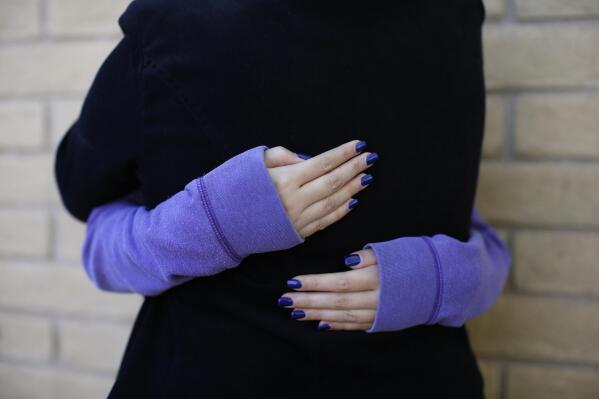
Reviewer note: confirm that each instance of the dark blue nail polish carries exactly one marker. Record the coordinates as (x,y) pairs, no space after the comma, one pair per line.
(284,301)
(302,155)
(360,145)
(297,314)
(323,327)
(371,158)
(352,260)
(293,283)
(352,203)
(367,179)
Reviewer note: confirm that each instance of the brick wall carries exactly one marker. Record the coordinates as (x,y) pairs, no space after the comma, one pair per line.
(62,338)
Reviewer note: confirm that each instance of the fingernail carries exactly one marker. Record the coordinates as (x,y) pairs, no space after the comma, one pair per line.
(367,179)
(293,283)
(360,145)
(302,155)
(352,260)
(323,326)
(371,158)
(284,301)
(352,203)
(297,314)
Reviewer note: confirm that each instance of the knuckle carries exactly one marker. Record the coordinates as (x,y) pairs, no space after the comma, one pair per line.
(283,181)
(343,283)
(357,165)
(329,204)
(310,282)
(349,315)
(332,181)
(340,301)
(320,225)
(326,163)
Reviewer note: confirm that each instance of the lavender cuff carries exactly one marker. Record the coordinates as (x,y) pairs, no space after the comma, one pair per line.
(245,207)
(438,279)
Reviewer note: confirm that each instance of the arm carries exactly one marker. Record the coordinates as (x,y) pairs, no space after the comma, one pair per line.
(95,160)
(210,226)
(438,279)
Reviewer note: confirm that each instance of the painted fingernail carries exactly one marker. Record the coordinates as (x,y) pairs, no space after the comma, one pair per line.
(297,314)
(323,327)
(293,283)
(352,260)
(371,158)
(284,301)
(367,179)
(360,145)
(302,155)
(352,203)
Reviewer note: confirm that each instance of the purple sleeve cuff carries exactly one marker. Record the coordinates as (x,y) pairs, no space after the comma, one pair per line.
(248,202)
(210,226)
(430,280)
(408,283)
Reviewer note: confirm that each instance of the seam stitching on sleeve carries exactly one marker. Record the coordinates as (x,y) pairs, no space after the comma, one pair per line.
(214,222)
(440,287)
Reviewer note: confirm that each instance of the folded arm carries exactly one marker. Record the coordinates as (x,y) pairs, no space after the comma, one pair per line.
(210,226)
(438,279)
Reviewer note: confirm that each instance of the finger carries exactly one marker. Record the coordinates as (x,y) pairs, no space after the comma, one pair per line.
(330,300)
(323,163)
(354,280)
(280,156)
(328,184)
(360,259)
(329,219)
(324,207)
(347,315)
(335,325)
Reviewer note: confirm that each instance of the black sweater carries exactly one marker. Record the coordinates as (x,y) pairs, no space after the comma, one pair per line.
(193,83)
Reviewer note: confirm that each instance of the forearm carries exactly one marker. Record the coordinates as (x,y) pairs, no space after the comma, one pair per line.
(210,226)
(438,279)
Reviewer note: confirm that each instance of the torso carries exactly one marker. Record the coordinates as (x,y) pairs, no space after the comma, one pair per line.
(230,75)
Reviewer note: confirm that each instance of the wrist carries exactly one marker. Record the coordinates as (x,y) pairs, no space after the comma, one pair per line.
(245,208)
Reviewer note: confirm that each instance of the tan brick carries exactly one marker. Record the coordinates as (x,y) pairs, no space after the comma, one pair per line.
(541,55)
(492,378)
(539,382)
(51,68)
(19,382)
(21,124)
(558,125)
(24,233)
(70,237)
(77,17)
(494,8)
(93,345)
(26,179)
(25,338)
(556,8)
(539,193)
(557,262)
(493,144)
(547,329)
(19,19)
(64,114)
(62,289)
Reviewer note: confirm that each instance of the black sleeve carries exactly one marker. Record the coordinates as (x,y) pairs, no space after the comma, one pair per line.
(95,161)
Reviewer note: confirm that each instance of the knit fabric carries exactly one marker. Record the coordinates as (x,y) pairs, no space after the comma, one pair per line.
(210,226)
(235,210)
(430,280)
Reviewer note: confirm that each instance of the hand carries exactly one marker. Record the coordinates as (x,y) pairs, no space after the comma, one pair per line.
(342,301)
(316,192)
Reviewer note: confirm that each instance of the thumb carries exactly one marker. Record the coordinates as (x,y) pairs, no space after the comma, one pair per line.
(281,156)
